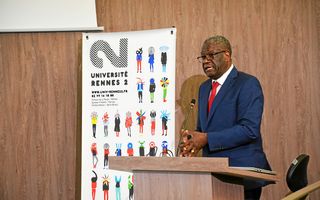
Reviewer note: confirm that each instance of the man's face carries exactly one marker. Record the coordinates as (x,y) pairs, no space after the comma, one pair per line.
(214,66)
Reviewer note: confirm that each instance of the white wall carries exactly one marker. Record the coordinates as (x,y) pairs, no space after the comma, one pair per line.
(47,15)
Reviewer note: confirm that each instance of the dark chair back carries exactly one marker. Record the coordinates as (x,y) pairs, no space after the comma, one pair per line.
(297,173)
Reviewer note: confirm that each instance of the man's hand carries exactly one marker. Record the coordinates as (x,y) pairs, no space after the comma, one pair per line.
(192,143)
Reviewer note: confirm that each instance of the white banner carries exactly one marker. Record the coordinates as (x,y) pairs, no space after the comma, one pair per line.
(47,15)
(128,105)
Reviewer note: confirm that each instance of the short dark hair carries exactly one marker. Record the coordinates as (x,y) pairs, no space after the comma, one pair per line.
(218,39)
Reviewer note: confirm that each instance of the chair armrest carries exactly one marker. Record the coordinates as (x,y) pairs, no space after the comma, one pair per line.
(304,191)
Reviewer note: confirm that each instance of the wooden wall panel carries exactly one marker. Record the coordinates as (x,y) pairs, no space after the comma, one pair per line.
(39,130)
(40,90)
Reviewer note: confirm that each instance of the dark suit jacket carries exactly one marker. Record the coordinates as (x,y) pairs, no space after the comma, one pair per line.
(233,124)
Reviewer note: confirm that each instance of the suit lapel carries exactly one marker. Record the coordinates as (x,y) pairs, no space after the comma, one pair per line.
(204,102)
(225,88)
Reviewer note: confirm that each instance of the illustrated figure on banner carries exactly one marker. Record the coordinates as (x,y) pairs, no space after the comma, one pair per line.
(94,119)
(94,185)
(105,187)
(140,84)
(164,50)
(110,104)
(153,149)
(130,187)
(140,119)
(130,149)
(164,82)
(105,120)
(152,89)
(139,59)
(165,151)
(153,115)
(151,58)
(106,155)
(164,118)
(94,154)
(118,191)
(117,124)
(118,149)
(141,148)
(128,123)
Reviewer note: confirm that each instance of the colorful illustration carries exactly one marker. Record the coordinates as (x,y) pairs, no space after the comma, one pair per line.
(118,149)
(94,185)
(128,79)
(106,155)
(130,149)
(164,118)
(140,119)
(152,89)
(128,123)
(94,119)
(164,82)
(94,154)
(130,187)
(141,148)
(151,58)
(153,115)
(118,191)
(140,84)
(165,151)
(164,50)
(105,187)
(105,120)
(153,149)
(139,59)
(117,124)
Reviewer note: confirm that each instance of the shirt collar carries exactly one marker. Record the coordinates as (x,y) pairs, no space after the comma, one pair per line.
(224,76)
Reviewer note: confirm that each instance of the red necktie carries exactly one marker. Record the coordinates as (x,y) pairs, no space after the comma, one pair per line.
(215,85)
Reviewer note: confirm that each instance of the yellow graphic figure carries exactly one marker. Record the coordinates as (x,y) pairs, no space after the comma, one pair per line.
(105,187)
(164,82)
(94,119)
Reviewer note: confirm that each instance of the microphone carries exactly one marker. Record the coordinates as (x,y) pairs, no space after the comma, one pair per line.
(192,103)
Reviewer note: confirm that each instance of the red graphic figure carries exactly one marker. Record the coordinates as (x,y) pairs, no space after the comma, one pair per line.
(106,155)
(153,121)
(94,154)
(94,185)
(105,120)
(139,59)
(117,124)
(105,187)
(140,119)
(130,149)
(128,123)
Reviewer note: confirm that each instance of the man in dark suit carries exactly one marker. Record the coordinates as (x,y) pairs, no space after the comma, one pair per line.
(230,110)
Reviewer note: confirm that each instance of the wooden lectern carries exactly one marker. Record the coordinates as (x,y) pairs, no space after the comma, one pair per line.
(175,178)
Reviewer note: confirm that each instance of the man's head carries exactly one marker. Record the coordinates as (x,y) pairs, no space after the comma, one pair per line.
(215,56)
